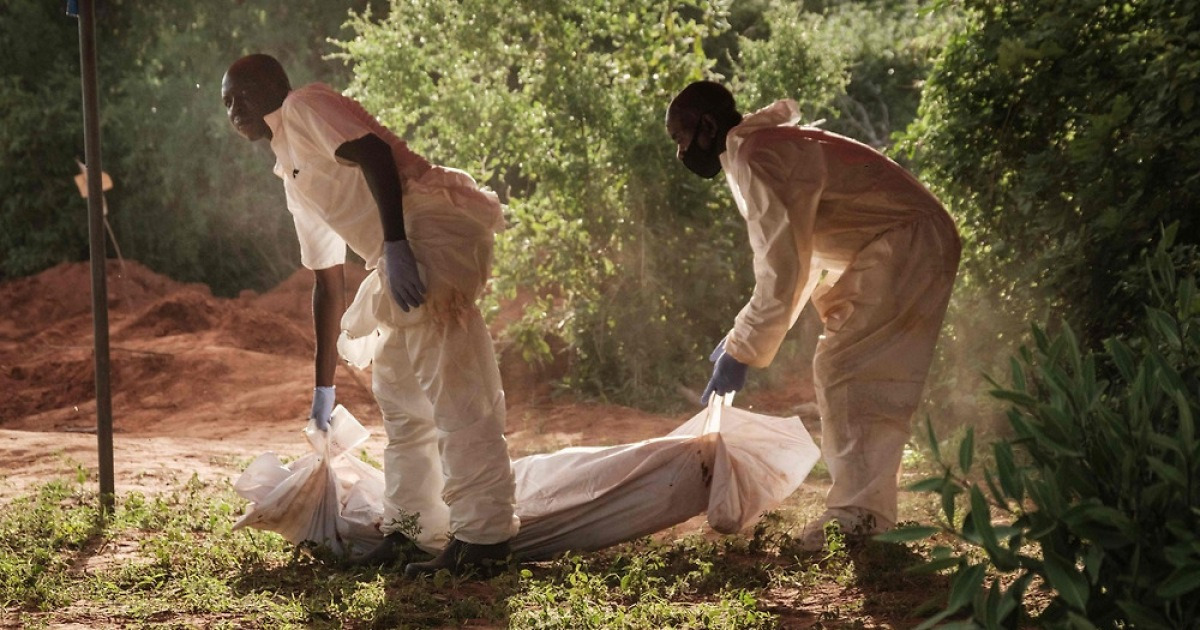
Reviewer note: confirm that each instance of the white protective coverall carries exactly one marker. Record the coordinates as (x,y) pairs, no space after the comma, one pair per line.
(832,219)
(435,376)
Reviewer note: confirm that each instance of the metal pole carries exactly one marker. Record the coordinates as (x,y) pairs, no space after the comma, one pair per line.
(91,136)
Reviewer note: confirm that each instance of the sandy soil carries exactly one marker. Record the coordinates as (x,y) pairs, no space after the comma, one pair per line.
(201,384)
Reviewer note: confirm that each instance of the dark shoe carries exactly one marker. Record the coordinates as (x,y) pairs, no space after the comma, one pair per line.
(395,547)
(461,558)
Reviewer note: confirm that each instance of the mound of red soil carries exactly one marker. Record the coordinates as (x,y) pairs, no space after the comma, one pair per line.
(33,303)
(38,386)
(182,312)
(172,345)
(255,329)
(177,353)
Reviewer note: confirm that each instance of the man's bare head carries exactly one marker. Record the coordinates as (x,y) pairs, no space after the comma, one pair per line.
(253,87)
(697,121)
(704,97)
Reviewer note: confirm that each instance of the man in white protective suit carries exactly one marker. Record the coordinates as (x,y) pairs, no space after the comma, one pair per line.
(833,220)
(349,181)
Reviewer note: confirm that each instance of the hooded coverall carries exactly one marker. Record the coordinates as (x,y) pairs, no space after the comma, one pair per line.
(435,376)
(833,220)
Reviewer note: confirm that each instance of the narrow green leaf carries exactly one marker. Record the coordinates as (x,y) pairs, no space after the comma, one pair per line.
(1018,375)
(997,494)
(1167,472)
(1006,469)
(1093,563)
(1187,425)
(932,437)
(1014,596)
(1168,378)
(1182,581)
(969,531)
(966,451)
(1063,578)
(991,608)
(1015,397)
(1122,358)
(1167,443)
(934,620)
(1072,349)
(1143,617)
(1165,325)
(964,586)
(949,491)
(981,515)
(931,484)
(906,534)
(1040,339)
(933,566)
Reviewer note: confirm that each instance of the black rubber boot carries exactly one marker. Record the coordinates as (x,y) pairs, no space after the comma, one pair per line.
(462,558)
(395,547)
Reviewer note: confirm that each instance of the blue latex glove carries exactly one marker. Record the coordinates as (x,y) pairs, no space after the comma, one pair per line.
(322,406)
(403,279)
(729,374)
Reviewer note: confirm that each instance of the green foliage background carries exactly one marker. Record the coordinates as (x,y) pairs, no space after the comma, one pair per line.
(559,106)
(1063,134)
(189,199)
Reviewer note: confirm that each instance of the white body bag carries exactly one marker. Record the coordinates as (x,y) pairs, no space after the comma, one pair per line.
(728,463)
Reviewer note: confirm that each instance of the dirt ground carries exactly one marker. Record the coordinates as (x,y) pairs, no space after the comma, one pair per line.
(201,384)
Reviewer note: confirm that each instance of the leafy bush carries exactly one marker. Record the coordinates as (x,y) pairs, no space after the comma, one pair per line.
(1061,133)
(794,61)
(42,219)
(1097,495)
(559,107)
(860,64)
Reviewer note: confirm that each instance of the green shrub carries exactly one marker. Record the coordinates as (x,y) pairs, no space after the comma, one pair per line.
(611,244)
(1097,494)
(1062,133)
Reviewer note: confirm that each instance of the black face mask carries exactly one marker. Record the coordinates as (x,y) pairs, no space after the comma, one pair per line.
(706,164)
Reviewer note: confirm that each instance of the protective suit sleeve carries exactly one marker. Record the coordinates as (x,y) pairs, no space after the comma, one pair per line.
(780,178)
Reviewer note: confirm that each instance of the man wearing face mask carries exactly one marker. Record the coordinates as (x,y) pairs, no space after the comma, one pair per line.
(831,220)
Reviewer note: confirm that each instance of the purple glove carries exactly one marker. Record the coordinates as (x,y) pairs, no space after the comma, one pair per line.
(729,374)
(322,406)
(403,279)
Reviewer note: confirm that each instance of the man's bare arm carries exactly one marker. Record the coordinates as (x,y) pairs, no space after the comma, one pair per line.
(374,157)
(328,303)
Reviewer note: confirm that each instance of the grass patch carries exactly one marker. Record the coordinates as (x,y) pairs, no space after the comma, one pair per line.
(172,560)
